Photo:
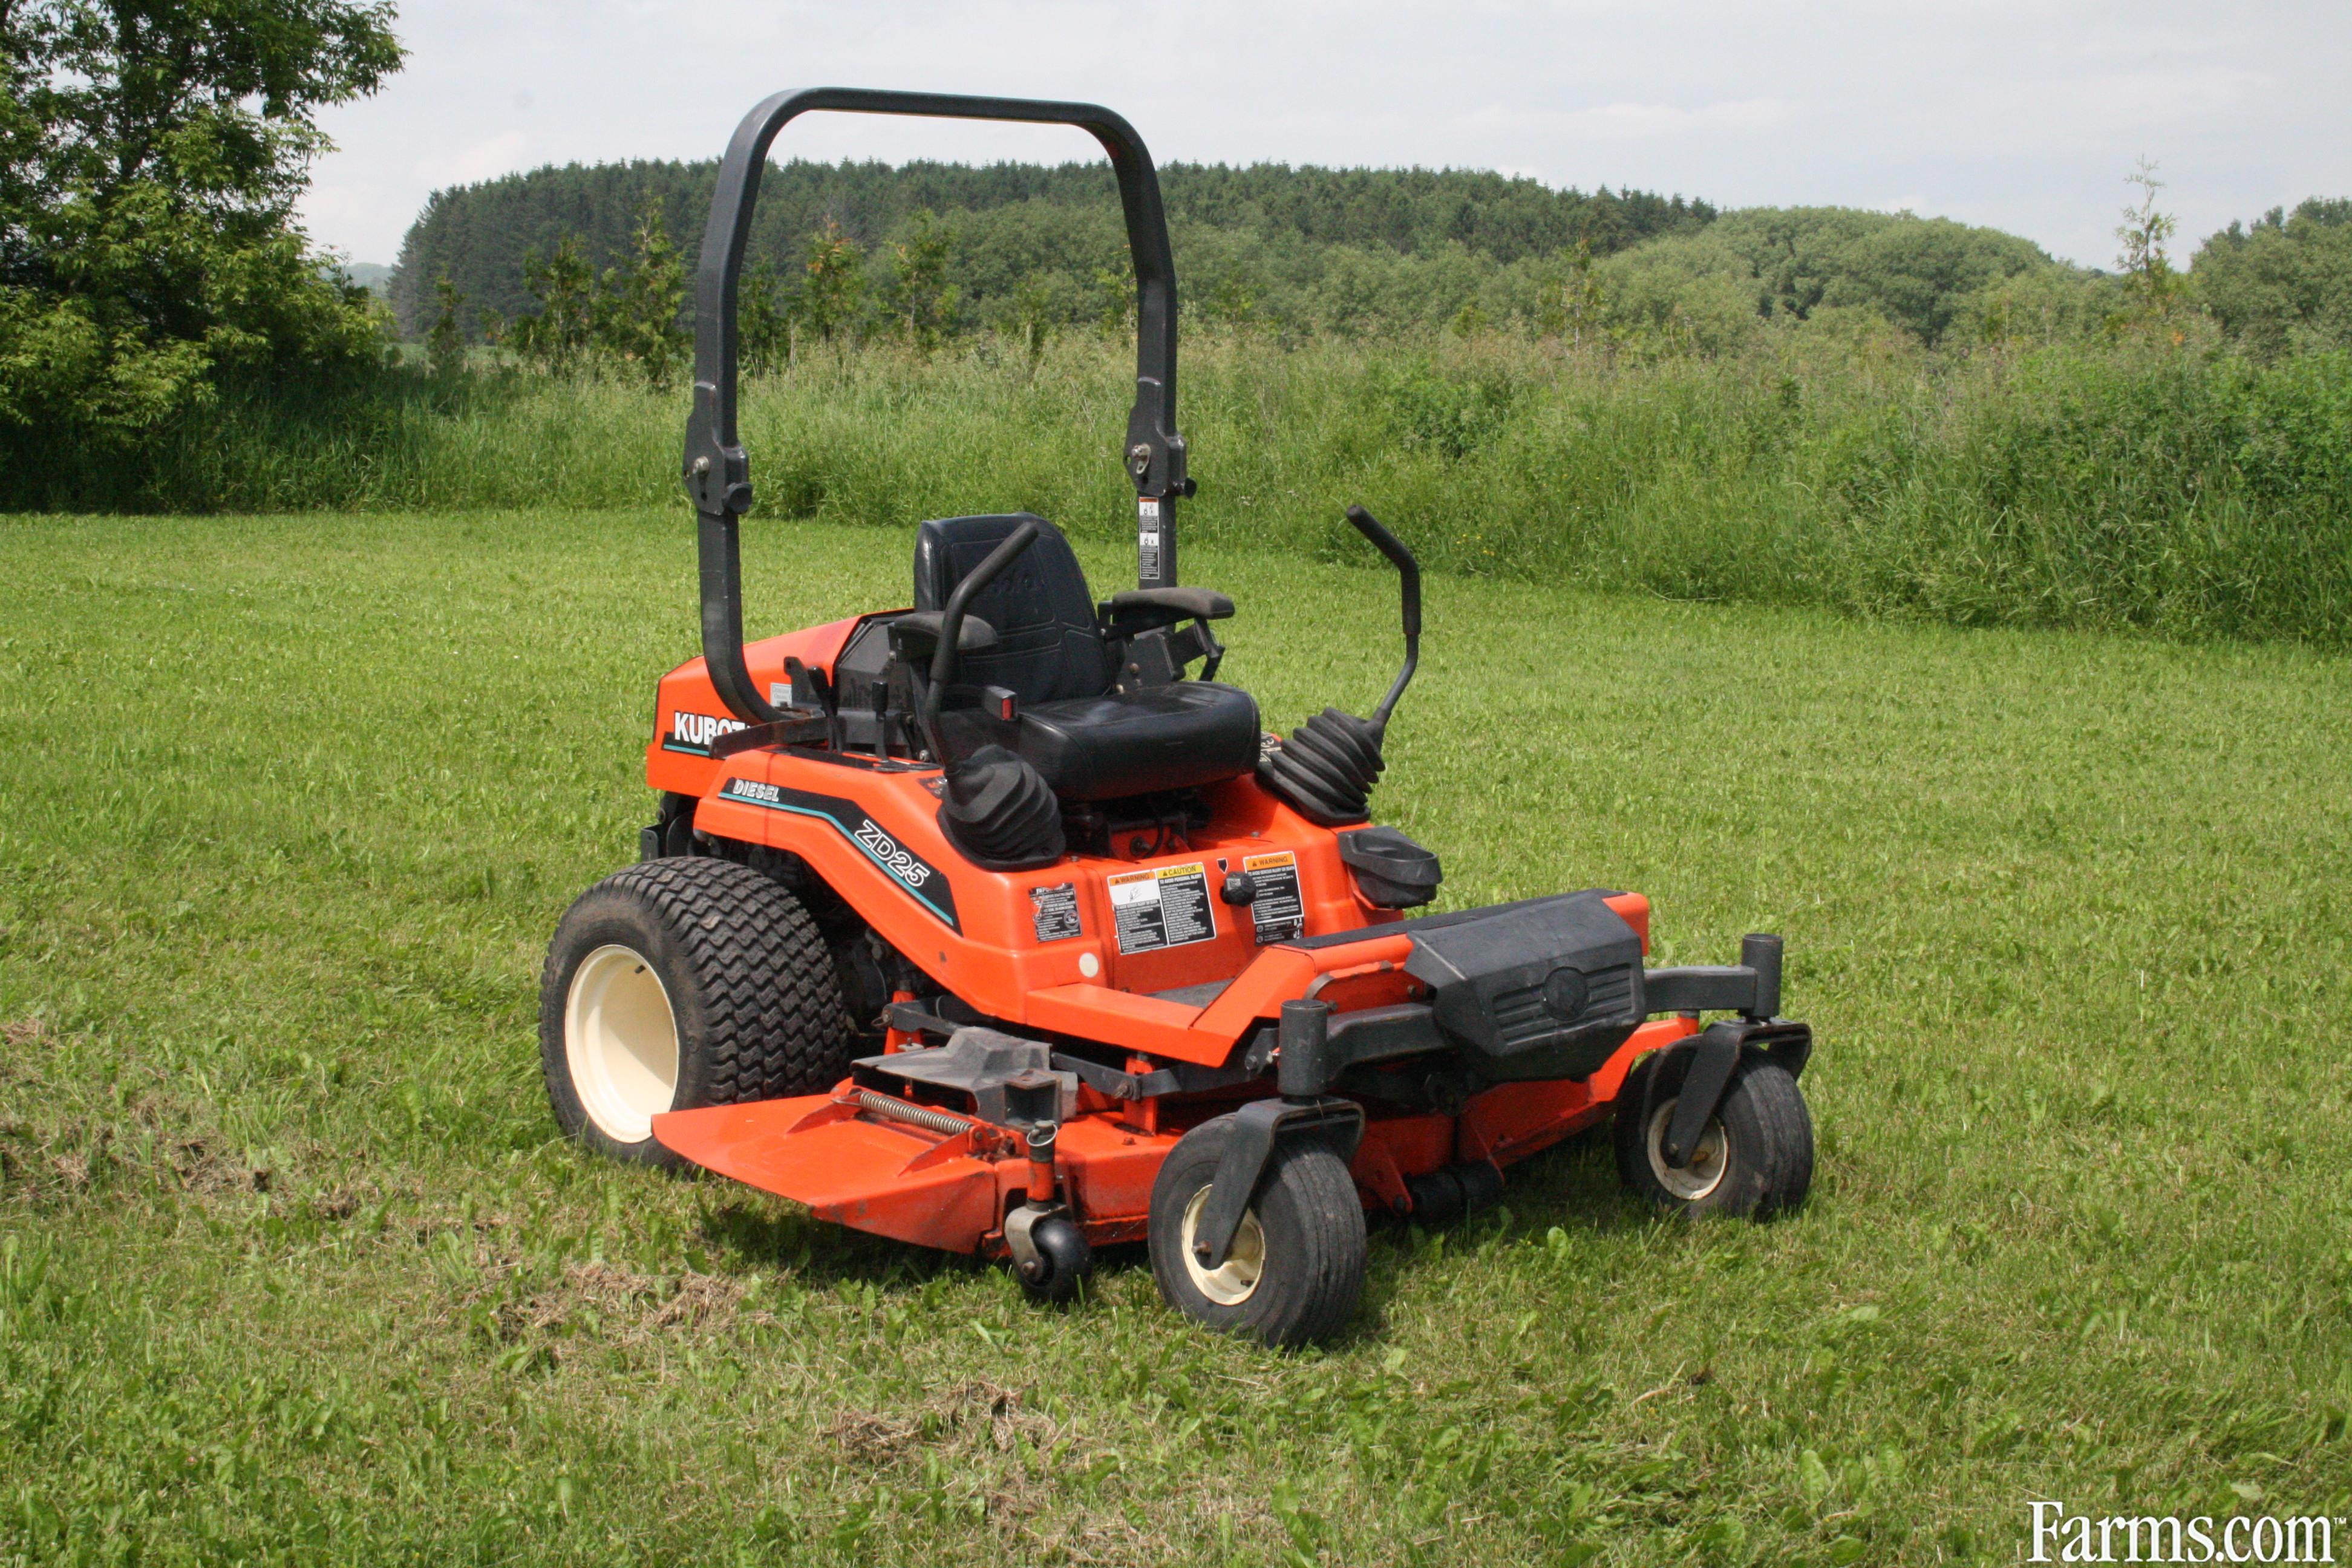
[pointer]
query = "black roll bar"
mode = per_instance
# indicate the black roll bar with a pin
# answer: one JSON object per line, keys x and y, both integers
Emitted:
{"x": 718, "y": 474}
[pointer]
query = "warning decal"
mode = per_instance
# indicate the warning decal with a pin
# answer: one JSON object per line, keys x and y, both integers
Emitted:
{"x": 1165, "y": 907}
{"x": 1147, "y": 538}
{"x": 1057, "y": 912}
{"x": 1277, "y": 910}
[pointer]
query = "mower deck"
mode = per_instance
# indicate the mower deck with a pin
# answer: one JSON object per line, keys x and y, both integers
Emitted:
{"x": 881, "y": 1173}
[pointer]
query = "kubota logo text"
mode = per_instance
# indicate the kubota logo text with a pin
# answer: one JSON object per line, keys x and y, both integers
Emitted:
{"x": 698, "y": 730}
{"x": 901, "y": 865}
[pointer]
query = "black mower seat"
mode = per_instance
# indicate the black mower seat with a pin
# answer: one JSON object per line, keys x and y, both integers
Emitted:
{"x": 1162, "y": 737}
{"x": 1089, "y": 741}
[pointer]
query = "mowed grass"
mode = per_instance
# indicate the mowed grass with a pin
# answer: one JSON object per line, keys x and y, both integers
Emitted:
{"x": 291, "y": 1268}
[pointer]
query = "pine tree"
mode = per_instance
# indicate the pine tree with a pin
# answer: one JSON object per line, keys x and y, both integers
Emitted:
{"x": 833, "y": 285}
{"x": 763, "y": 332}
{"x": 562, "y": 335}
{"x": 445, "y": 345}
{"x": 922, "y": 301}
{"x": 638, "y": 320}
{"x": 2154, "y": 285}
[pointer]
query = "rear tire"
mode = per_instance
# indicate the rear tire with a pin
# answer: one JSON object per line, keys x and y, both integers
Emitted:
{"x": 1755, "y": 1156}
{"x": 679, "y": 982}
{"x": 1295, "y": 1269}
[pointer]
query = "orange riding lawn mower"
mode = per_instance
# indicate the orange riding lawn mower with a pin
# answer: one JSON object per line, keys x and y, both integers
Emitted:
{"x": 989, "y": 926}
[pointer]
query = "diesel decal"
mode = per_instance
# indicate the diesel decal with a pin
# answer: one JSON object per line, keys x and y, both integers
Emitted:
{"x": 693, "y": 732}
{"x": 916, "y": 877}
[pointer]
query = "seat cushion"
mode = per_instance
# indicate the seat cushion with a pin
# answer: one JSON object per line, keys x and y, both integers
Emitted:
{"x": 1162, "y": 737}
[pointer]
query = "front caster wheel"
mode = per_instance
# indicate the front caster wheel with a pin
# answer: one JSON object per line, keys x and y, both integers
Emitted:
{"x": 1755, "y": 1156}
{"x": 1296, "y": 1269}
{"x": 1060, "y": 1259}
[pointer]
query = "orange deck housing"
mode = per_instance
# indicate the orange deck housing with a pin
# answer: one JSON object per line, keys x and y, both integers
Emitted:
{"x": 979, "y": 934}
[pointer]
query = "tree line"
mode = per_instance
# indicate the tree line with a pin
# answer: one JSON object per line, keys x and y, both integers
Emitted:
{"x": 1039, "y": 243}
{"x": 575, "y": 266}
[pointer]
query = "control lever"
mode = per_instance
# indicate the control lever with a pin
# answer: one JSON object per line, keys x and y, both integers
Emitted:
{"x": 1326, "y": 768}
{"x": 1409, "y": 570}
{"x": 814, "y": 685}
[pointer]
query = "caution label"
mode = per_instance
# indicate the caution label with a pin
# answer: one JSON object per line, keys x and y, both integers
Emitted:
{"x": 1057, "y": 911}
{"x": 1147, "y": 538}
{"x": 1165, "y": 907}
{"x": 1277, "y": 911}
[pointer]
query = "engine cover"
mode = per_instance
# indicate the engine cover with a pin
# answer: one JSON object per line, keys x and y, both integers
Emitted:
{"x": 1547, "y": 988}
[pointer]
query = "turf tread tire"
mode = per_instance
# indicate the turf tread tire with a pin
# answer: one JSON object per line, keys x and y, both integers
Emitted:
{"x": 752, "y": 985}
{"x": 1314, "y": 1224}
{"x": 1763, "y": 1113}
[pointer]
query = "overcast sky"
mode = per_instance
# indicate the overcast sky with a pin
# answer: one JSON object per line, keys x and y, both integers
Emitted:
{"x": 2023, "y": 115}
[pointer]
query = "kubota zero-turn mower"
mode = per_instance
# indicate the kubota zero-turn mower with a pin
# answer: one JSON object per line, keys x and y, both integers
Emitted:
{"x": 988, "y": 925}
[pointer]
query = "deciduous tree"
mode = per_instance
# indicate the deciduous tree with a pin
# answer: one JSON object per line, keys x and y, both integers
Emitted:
{"x": 150, "y": 155}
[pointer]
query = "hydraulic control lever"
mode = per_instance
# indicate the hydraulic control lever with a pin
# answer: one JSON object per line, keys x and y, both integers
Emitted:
{"x": 814, "y": 685}
{"x": 1409, "y": 570}
{"x": 1326, "y": 767}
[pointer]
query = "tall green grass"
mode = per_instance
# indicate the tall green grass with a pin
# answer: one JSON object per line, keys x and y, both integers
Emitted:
{"x": 2177, "y": 489}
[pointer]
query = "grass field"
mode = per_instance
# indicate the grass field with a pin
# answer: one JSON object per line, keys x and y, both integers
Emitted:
{"x": 291, "y": 1271}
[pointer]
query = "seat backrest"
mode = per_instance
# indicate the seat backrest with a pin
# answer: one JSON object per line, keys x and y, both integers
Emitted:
{"x": 1047, "y": 644}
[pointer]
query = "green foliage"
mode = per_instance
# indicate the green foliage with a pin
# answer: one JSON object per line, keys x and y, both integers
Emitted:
{"x": 2151, "y": 288}
{"x": 763, "y": 320}
{"x": 1263, "y": 235}
{"x": 444, "y": 345}
{"x": 638, "y": 324}
{"x": 2285, "y": 286}
{"x": 560, "y": 335}
{"x": 920, "y": 300}
{"x": 150, "y": 155}
{"x": 1570, "y": 302}
{"x": 832, "y": 286}
{"x": 293, "y": 1270}
{"x": 1797, "y": 262}
{"x": 1030, "y": 320}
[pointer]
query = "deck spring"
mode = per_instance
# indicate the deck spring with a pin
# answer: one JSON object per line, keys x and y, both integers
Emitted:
{"x": 890, "y": 1109}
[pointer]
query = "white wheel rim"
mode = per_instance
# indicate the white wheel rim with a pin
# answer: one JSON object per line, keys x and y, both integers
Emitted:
{"x": 1708, "y": 1162}
{"x": 620, "y": 1041}
{"x": 1236, "y": 1279}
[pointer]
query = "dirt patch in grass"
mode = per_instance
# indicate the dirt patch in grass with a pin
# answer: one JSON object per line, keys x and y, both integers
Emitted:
{"x": 208, "y": 1170}
{"x": 968, "y": 1413}
{"x": 624, "y": 1303}
{"x": 1010, "y": 1453}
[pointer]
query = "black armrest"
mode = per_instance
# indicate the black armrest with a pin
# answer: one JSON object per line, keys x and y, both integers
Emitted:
{"x": 1197, "y": 604}
{"x": 917, "y": 633}
{"x": 1124, "y": 614}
